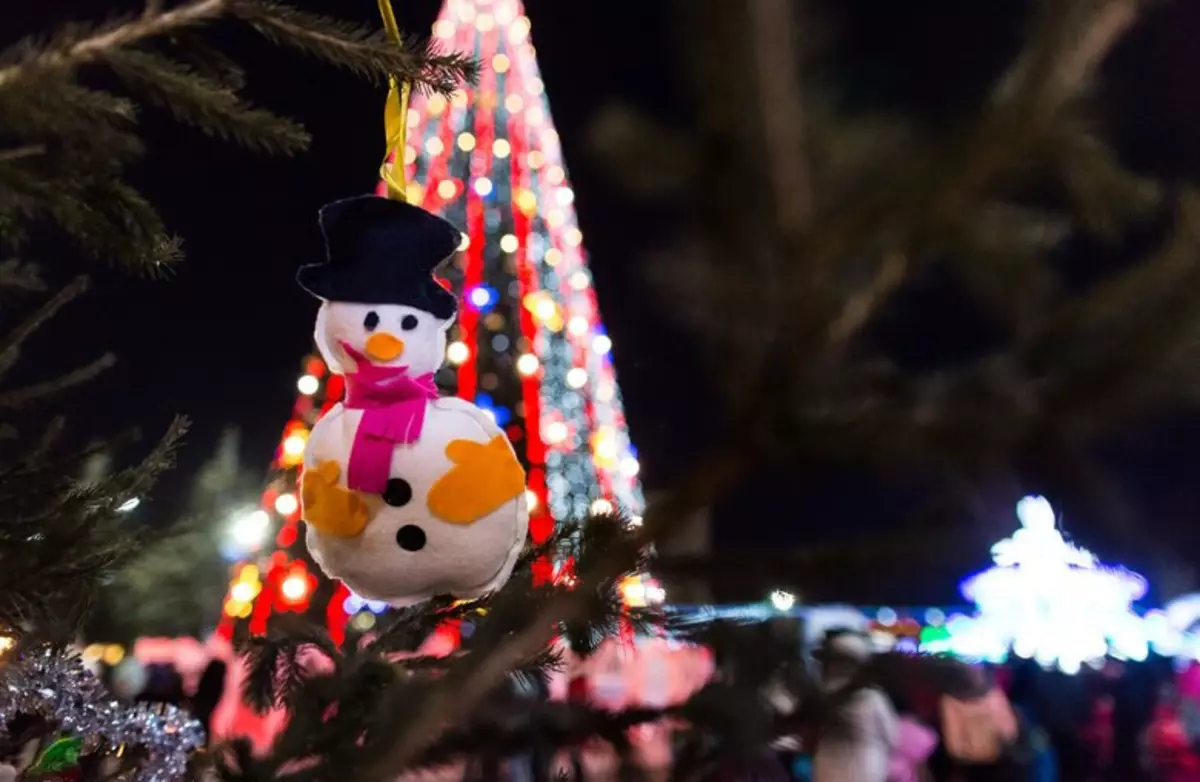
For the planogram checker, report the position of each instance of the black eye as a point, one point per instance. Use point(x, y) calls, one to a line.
point(371, 321)
point(409, 323)
point(397, 492)
point(410, 537)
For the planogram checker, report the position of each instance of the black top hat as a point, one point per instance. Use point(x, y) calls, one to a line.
point(381, 251)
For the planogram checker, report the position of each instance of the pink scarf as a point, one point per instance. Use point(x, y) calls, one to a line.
point(393, 406)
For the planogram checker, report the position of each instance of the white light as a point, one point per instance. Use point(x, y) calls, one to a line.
point(480, 297)
point(457, 352)
point(636, 521)
point(294, 445)
point(601, 344)
point(556, 432)
point(601, 506)
point(464, 242)
point(531, 500)
point(286, 504)
point(294, 587)
point(630, 467)
point(577, 377)
point(578, 325)
point(250, 529)
point(501, 148)
point(308, 385)
point(527, 364)
point(565, 196)
point(483, 186)
point(1050, 601)
point(242, 592)
point(545, 309)
point(782, 601)
point(604, 392)
point(129, 505)
point(509, 243)
point(580, 280)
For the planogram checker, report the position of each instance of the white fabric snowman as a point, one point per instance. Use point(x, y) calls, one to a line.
point(406, 495)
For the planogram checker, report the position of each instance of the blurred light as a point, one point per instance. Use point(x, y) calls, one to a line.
point(574, 237)
point(546, 308)
point(636, 521)
point(466, 141)
point(565, 197)
point(363, 621)
point(531, 500)
point(535, 116)
point(601, 506)
point(484, 22)
point(556, 432)
point(481, 297)
point(242, 592)
point(578, 325)
point(508, 243)
point(886, 617)
point(555, 218)
point(129, 505)
point(514, 103)
point(251, 528)
point(527, 364)
point(519, 29)
point(536, 87)
point(458, 99)
point(113, 654)
point(457, 352)
point(556, 175)
point(577, 377)
point(414, 118)
point(410, 155)
point(782, 601)
point(536, 159)
point(294, 587)
point(463, 243)
point(434, 146)
point(553, 256)
point(580, 280)
point(630, 467)
point(443, 28)
point(601, 344)
point(286, 504)
point(293, 446)
point(500, 63)
point(446, 190)
point(527, 202)
point(436, 104)
point(483, 186)
point(308, 385)
point(501, 148)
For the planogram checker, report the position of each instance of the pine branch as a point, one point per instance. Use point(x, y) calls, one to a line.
point(10, 348)
point(195, 100)
point(363, 51)
point(76, 47)
point(36, 392)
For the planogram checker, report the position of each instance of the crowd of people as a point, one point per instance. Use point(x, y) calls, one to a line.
point(1014, 723)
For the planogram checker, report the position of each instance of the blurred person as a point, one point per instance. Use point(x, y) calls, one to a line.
point(1167, 755)
point(915, 743)
point(980, 730)
point(858, 747)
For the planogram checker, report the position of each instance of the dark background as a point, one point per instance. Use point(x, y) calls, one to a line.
point(222, 341)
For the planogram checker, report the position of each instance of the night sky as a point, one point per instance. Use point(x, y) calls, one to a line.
point(223, 340)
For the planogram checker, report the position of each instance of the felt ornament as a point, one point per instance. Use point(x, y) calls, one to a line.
point(406, 494)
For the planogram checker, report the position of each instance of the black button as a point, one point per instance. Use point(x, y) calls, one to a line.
point(409, 322)
point(371, 322)
point(410, 537)
point(397, 493)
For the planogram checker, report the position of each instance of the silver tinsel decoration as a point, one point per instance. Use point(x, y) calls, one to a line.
point(54, 685)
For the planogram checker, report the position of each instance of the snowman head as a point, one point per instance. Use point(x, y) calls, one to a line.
point(391, 335)
point(381, 303)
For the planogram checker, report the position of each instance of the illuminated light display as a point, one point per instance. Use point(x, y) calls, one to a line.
point(1048, 600)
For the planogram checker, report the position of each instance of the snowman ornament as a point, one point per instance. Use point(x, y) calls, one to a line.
point(406, 494)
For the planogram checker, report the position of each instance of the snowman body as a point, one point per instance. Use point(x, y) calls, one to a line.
point(405, 554)
point(452, 516)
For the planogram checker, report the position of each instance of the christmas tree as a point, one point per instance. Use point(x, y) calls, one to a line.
point(529, 347)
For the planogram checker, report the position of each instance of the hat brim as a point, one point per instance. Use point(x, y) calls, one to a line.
point(330, 283)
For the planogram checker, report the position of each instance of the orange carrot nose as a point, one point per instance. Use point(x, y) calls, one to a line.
point(384, 347)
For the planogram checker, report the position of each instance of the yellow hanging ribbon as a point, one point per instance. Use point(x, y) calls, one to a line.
point(395, 118)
